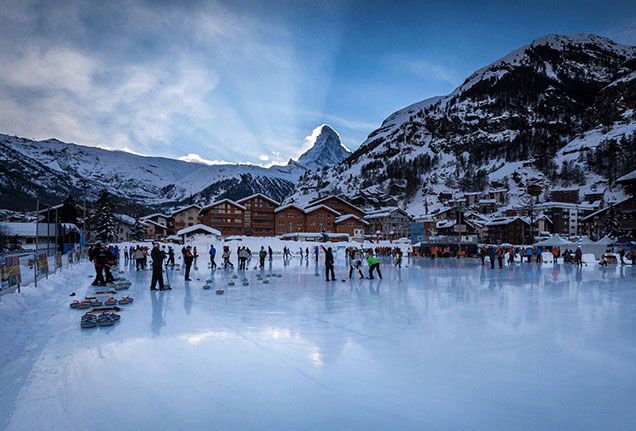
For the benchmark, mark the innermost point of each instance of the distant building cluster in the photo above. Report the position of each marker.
(260, 215)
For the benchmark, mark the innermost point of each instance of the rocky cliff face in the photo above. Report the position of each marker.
(325, 149)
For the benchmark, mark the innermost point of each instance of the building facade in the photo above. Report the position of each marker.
(393, 223)
(289, 219)
(260, 216)
(353, 226)
(184, 217)
(321, 218)
(227, 216)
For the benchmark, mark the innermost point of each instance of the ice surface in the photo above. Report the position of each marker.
(438, 345)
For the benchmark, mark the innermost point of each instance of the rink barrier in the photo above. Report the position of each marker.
(21, 269)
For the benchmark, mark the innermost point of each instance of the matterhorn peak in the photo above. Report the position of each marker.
(325, 148)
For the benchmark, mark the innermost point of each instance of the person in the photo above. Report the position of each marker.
(139, 258)
(157, 257)
(212, 256)
(170, 260)
(492, 254)
(374, 265)
(242, 257)
(511, 255)
(261, 257)
(126, 255)
(188, 258)
(307, 253)
(98, 257)
(398, 258)
(329, 263)
(500, 256)
(622, 256)
(301, 253)
(110, 262)
(226, 257)
(316, 252)
(355, 264)
(578, 257)
(482, 255)
(270, 252)
(633, 253)
(195, 254)
(539, 255)
(529, 254)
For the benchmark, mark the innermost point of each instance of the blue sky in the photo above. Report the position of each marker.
(247, 81)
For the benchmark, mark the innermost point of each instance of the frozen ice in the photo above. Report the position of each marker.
(441, 344)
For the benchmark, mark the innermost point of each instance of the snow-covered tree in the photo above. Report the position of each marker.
(69, 211)
(103, 223)
(137, 230)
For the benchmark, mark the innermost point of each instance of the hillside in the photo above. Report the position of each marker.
(559, 112)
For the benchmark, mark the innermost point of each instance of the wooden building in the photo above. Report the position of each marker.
(351, 225)
(392, 223)
(225, 215)
(320, 218)
(338, 204)
(183, 217)
(289, 219)
(260, 216)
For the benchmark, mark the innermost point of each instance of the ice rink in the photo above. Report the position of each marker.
(435, 345)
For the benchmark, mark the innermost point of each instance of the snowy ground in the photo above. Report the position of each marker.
(437, 345)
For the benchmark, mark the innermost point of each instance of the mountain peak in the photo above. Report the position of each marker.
(325, 148)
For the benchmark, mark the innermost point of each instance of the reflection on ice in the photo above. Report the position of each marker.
(441, 344)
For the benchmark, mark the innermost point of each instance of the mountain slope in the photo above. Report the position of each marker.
(51, 169)
(326, 149)
(506, 124)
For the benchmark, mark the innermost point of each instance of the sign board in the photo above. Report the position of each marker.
(43, 263)
(9, 272)
(459, 228)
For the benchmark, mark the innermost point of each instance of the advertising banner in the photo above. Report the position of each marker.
(9, 272)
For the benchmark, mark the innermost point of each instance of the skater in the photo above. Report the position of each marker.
(301, 253)
(374, 265)
(261, 257)
(355, 264)
(170, 256)
(212, 256)
(188, 258)
(529, 254)
(157, 256)
(492, 254)
(125, 255)
(482, 255)
(195, 254)
(316, 252)
(269, 253)
(511, 255)
(329, 263)
(622, 256)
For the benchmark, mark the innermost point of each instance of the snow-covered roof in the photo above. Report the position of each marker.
(181, 209)
(317, 207)
(317, 201)
(198, 227)
(284, 207)
(123, 218)
(261, 195)
(602, 210)
(28, 229)
(348, 216)
(152, 222)
(567, 205)
(222, 201)
(555, 241)
(385, 213)
(487, 201)
(627, 177)
(497, 191)
(444, 224)
(155, 215)
(500, 221)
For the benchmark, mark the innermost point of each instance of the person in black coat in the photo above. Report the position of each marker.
(188, 258)
(329, 263)
(157, 256)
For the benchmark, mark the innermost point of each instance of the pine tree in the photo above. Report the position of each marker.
(103, 223)
(138, 231)
(69, 211)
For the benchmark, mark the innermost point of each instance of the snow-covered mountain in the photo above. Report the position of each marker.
(560, 111)
(52, 169)
(325, 149)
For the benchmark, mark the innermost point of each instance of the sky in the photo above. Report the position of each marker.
(247, 81)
